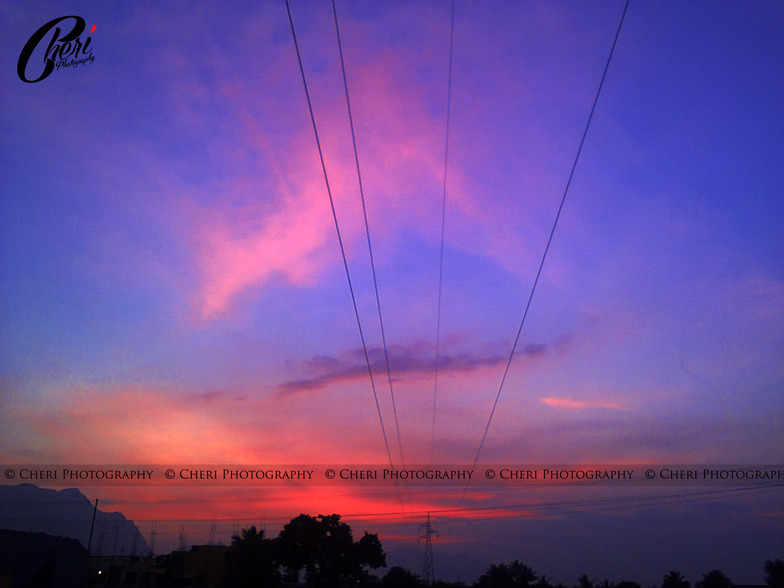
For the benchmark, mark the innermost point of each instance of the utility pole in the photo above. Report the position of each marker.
(212, 532)
(153, 533)
(89, 545)
(135, 543)
(428, 576)
(99, 540)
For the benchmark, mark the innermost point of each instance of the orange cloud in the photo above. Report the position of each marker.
(157, 423)
(136, 424)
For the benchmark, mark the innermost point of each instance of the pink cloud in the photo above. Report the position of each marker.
(272, 220)
(567, 403)
(243, 249)
(278, 225)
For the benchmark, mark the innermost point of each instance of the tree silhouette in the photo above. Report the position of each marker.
(336, 558)
(324, 547)
(255, 559)
(298, 547)
(368, 553)
(675, 579)
(715, 579)
(585, 582)
(400, 577)
(544, 582)
(774, 571)
(445, 584)
(514, 575)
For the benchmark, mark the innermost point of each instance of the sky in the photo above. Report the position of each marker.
(173, 289)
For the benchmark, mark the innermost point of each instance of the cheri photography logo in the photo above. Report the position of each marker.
(68, 50)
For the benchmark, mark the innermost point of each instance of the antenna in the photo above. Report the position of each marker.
(183, 540)
(428, 576)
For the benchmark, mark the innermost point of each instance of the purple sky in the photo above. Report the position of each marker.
(172, 288)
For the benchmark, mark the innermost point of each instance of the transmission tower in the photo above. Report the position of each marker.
(183, 540)
(428, 576)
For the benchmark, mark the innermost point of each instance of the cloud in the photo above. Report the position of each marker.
(143, 423)
(234, 255)
(566, 403)
(155, 422)
(270, 218)
(240, 244)
(404, 361)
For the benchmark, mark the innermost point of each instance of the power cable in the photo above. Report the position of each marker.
(367, 230)
(337, 230)
(550, 507)
(552, 232)
(443, 232)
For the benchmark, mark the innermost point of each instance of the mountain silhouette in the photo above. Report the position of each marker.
(68, 513)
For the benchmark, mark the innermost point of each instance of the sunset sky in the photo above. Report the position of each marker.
(172, 289)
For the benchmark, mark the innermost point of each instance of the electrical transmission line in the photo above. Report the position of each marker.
(443, 232)
(367, 231)
(550, 237)
(337, 230)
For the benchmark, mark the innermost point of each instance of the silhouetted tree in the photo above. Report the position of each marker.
(445, 584)
(675, 579)
(255, 558)
(715, 579)
(324, 547)
(336, 558)
(585, 582)
(774, 571)
(368, 553)
(298, 547)
(514, 575)
(400, 577)
(626, 584)
(606, 584)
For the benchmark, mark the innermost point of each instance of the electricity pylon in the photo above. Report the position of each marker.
(428, 576)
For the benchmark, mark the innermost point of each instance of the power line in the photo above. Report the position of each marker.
(337, 230)
(596, 505)
(552, 232)
(367, 231)
(550, 507)
(443, 231)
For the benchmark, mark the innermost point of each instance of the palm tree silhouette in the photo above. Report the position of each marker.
(675, 579)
